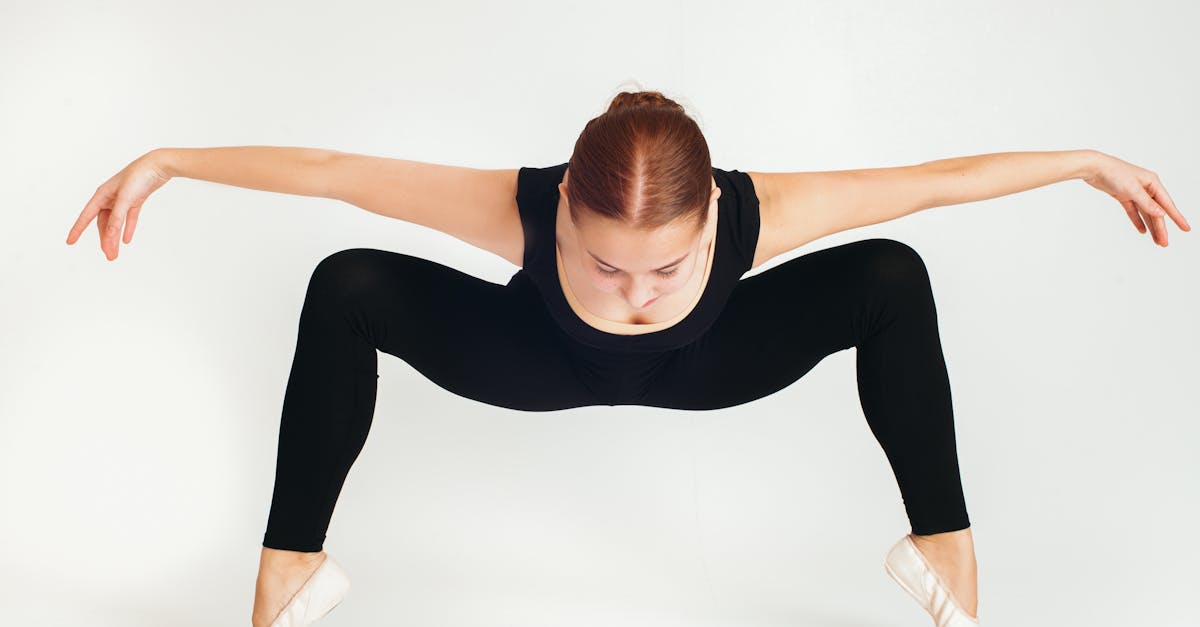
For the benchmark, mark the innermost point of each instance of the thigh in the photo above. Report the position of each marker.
(779, 323)
(480, 340)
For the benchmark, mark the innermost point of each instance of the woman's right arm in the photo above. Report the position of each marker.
(283, 169)
(475, 205)
(117, 202)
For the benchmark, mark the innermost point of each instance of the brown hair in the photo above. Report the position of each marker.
(644, 161)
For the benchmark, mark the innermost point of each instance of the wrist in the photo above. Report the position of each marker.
(165, 161)
(1088, 163)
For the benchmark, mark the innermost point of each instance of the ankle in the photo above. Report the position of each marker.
(959, 538)
(276, 559)
(954, 546)
(269, 553)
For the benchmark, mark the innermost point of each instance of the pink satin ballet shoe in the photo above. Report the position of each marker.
(325, 588)
(908, 567)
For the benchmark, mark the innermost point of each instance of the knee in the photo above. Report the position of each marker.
(346, 275)
(895, 266)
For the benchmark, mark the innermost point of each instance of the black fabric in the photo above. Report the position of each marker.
(504, 345)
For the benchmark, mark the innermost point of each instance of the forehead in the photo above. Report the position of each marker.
(621, 246)
(603, 231)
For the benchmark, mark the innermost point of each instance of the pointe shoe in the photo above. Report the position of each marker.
(325, 588)
(908, 567)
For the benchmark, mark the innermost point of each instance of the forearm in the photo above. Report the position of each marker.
(282, 169)
(967, 179)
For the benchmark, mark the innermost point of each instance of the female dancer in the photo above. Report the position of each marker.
(629, 292)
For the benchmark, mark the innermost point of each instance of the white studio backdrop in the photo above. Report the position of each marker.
(140, 398)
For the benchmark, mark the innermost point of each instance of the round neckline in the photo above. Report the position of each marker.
(561, 297)
(565, 286)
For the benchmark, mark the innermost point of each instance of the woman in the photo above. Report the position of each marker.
(629, 292)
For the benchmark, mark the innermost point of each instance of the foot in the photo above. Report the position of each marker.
(952, 555)
(281, 574)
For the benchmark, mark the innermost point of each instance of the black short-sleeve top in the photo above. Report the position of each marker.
(733, 254)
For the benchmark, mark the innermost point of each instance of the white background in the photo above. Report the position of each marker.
(140, 398)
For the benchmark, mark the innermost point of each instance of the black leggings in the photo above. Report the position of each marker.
(498, 344)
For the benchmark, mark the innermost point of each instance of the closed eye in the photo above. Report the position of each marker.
(659, 272)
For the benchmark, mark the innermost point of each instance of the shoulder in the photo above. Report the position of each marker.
(535, 182)
(742, 206)
(536, 201)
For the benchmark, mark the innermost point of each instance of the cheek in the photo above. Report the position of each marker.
(674, 283)
(605, 282)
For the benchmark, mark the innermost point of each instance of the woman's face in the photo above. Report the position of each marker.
(641, 265)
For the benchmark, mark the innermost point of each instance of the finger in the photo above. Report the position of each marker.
(1134, 216)
(1158, 226)
(85, 217)
(1156, 223)
(131, 223)
(112, 231)
(1159, 194)
(1149, 204)
(101, 222)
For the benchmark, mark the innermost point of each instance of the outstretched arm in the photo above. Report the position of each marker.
(799, 207)
(980, 177)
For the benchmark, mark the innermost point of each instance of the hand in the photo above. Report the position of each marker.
(1140, 192)
(118, 197)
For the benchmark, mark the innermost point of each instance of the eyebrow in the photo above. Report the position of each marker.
(657, 269)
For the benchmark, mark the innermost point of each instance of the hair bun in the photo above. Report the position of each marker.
(651, 99)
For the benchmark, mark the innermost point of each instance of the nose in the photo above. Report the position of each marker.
(642, 296)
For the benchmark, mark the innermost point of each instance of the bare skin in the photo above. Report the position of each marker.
(281, 574)
(952, 555)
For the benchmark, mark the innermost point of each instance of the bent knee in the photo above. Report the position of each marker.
(894, 265)
(348, 274)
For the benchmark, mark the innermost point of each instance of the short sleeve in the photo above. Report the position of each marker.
(740, 202)
(526, 198)
(536, 201)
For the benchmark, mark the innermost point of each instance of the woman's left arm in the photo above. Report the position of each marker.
(799, 207)
(1140, 192)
